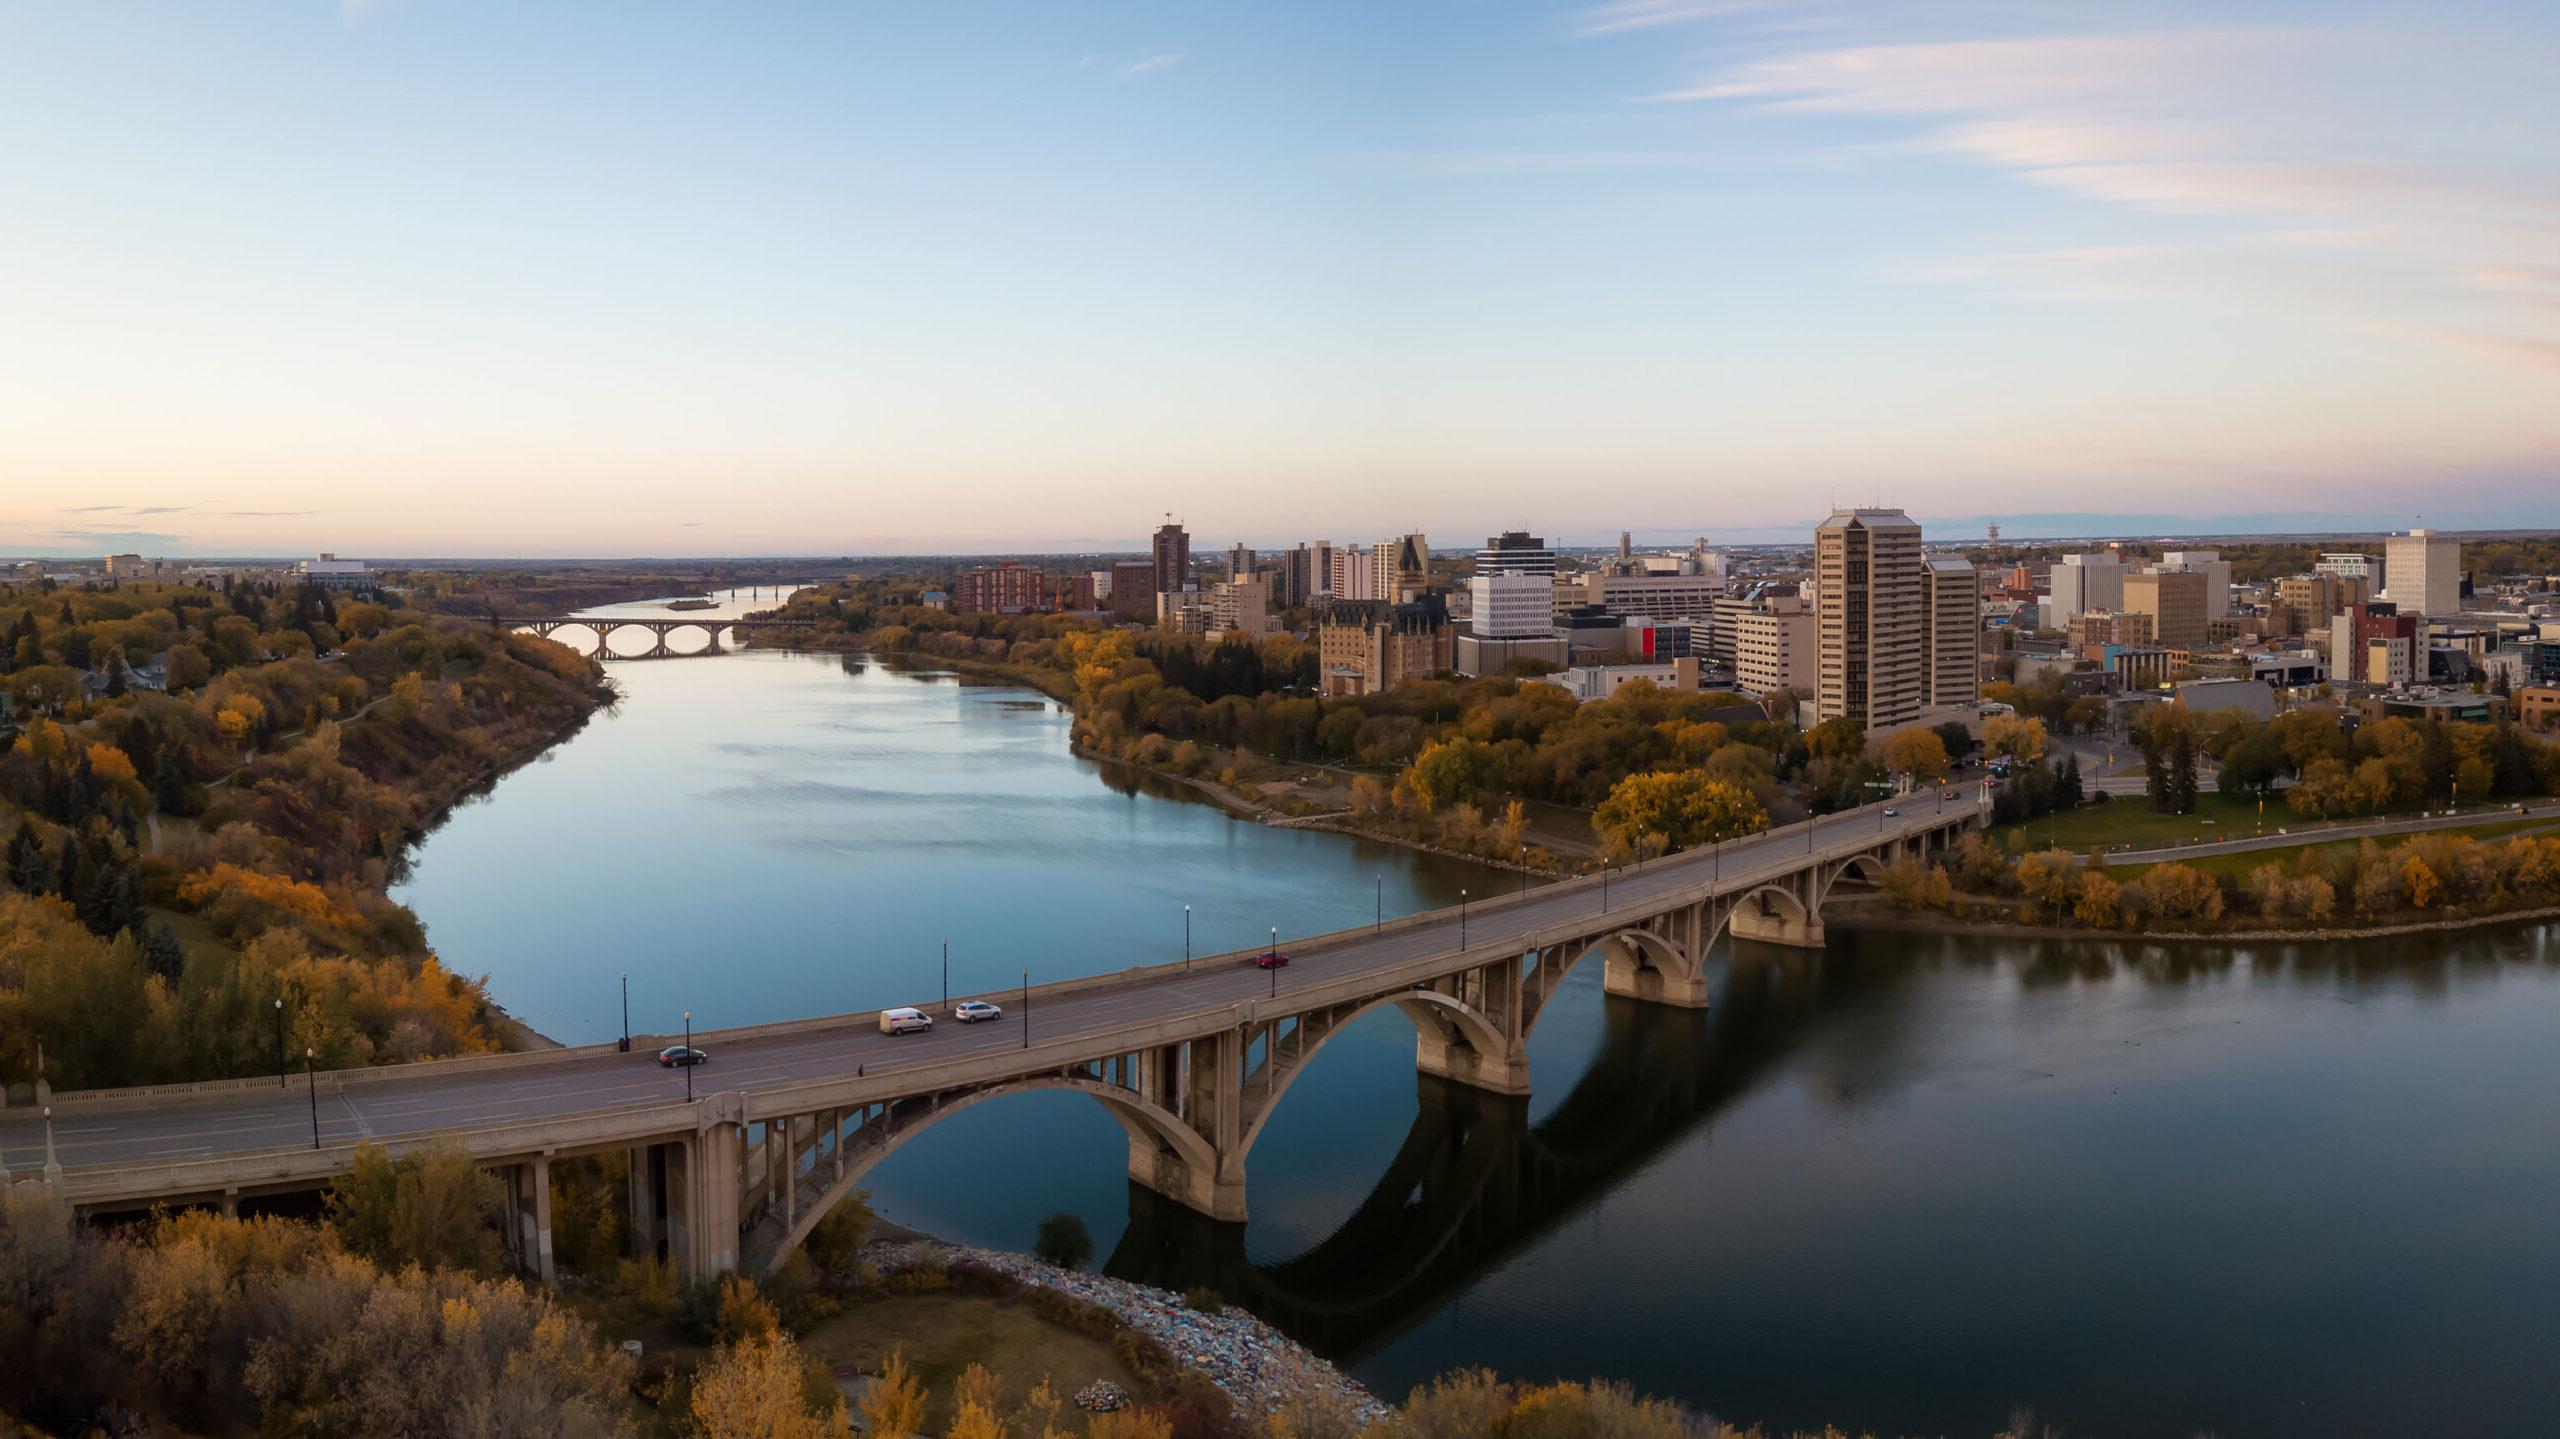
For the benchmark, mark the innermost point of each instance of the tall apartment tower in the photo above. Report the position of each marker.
(1404, 566)
(1239, 561)
(1871, 618)
(1955, 633)
(1320, 572)
(1173, 559)
(2423, 573)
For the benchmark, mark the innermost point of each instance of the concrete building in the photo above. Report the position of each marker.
(1478, 655)
(1241, 607)
(1955, 634)
(1008, 588)
(1511, 604)
(1871, 618)
(1774, 649)
(2175, 600)
(2426, 573)
(1133, 590)
(2538, 706)
(337, 574)
(1516, 552)
(1661, 597)
(2217, 577)
(2250, 696)
(2303, 604)
(2349, 565)
(1185, 612)
(1355, 574)
(2090, 581)
(1599, 682)
(1172, 559)
(1371, 646)
(126, 567)
(1239, 560)
(1294, 577)
(1726, 614)
(1403, 566)
(2093, 630)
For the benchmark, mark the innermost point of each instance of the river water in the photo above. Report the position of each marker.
(1912, 1184)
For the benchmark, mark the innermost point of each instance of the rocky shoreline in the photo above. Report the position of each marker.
(1258, 1368)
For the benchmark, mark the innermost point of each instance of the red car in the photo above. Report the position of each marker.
(1270, 959)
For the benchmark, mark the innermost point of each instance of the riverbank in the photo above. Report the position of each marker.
(1871, 913)
(1259, 1369)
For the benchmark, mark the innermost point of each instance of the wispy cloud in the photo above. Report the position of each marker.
(263, 514)
(1620, 16)
(1147, 66)
(2354, 154)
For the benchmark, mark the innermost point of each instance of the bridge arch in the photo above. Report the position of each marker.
(1440, 1021)
(1868, 868)
(1153, 1131)
(1775, 914)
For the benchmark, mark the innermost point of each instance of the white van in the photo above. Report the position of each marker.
(901, 1021)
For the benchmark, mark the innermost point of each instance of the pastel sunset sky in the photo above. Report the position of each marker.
(448, 277)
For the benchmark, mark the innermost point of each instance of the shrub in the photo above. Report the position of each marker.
(1063, 1241)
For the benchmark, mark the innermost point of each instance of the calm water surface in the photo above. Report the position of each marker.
(1911, 1184)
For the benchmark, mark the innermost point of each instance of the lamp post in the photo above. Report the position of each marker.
(1380, 922)
(281, 1082)
(311, 1082)
(1604, 884)
(946, 976)
(1026, 1009)
(626, 1011)
(1524, 869)
(688, 1044)
(1274, 966)
(1186, 936)
(1462, 919)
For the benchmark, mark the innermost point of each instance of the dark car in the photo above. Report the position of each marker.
(681, 1056)
(1270, 959)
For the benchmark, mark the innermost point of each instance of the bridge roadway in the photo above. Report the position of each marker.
(124, 1148)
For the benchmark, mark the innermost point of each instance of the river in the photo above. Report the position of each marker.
(1912, 1184)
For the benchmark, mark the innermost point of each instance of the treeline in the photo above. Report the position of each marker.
(391, 1318)
(174, 863)
(2427, 877)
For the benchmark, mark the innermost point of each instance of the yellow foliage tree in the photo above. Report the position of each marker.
(2419, 882)
(894, 1409)
(754, 1390)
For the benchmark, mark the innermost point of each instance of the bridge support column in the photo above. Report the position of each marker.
(530, 1184)
(714, 1177)
(1778, 927)
(644, 1232)
(1622, 975)
(1444, 1051)
(1212, 1087)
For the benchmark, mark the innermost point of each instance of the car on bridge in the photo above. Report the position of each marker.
(970, 1011)
(1270, 959)
(681, 1056)
(904, 1020)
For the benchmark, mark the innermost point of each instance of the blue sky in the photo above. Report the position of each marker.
(425, 276)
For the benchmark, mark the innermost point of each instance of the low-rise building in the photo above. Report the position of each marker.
(1773, 649)
(1241, 607)
(2538, 706)
(1010, 587)
(1133, 590)
(337, 574)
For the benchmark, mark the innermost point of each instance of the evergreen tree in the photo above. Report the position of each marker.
(28, 870)
(2069, 792)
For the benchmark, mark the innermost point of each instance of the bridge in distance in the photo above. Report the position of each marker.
(1190, 1059)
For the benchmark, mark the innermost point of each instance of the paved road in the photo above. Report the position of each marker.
(236, 1121)
(2318, 834)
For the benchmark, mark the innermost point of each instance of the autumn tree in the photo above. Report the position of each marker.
(1918, 753)
(2014, 736)
(1656, 813)
(756, 1389)
(434, 1207)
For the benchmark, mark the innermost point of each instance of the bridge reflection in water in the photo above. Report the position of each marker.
(1476, 1181)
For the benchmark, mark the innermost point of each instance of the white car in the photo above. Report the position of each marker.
(904, 1021)
(970, 1011)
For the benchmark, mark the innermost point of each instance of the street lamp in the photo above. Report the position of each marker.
(626, 1012)
(1604, 884)
(1380, 922)
(281, 1082)
(1462, 919)
(1274, 966)
(311, 1082)
(688, 1044)
(1186, 936)
(946, 976)
(1524, 869)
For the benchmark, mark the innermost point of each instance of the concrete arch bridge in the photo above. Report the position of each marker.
(712, 628)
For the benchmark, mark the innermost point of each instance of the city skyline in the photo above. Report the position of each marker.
(422, 278)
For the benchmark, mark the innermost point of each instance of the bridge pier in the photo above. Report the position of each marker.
(644, 1234)
(1776, 926)
(1624, 975)
(1497, 1064)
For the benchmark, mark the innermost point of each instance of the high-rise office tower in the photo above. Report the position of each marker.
(1871, 618)
(1173, 558)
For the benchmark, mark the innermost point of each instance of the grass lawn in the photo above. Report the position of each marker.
(2129, 819)
(943, 1334)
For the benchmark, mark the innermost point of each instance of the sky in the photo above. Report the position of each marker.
(442, 277)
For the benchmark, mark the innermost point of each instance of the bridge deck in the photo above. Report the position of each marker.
(119, 1145)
